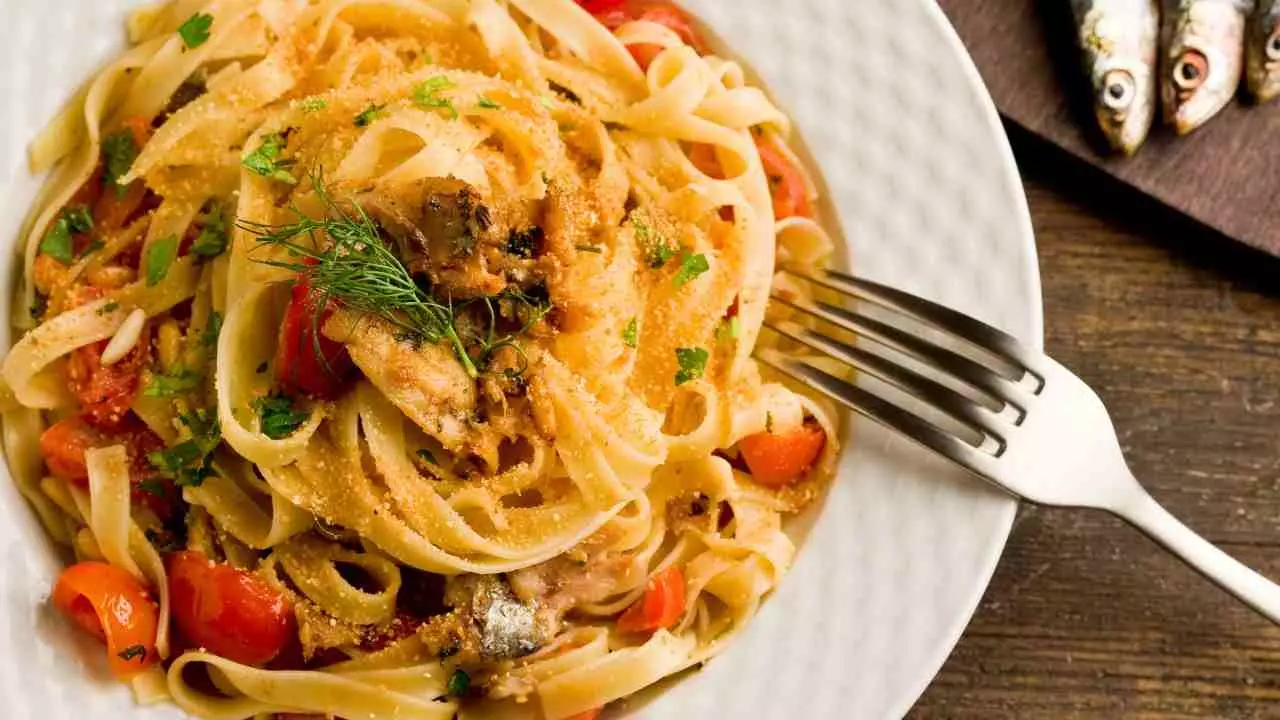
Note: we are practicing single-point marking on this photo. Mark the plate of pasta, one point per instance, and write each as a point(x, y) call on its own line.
point(394, 358)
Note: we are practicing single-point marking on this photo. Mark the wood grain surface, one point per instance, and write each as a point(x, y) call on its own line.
point(1179, 332)
point(1225, 175)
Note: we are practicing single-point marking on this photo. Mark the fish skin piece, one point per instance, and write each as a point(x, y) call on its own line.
point(1262, 51)
point(1119, 50)
point(1203, 60)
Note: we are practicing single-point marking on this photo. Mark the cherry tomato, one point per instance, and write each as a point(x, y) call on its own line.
point(778, 459)
point(661, 607)
point(613, 14)
point(110, 604)
point(106, 392)
point(786, 183)
point(306, 360)
point(229, 612)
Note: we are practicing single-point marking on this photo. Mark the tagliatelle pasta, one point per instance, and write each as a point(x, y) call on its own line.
point(442, 399)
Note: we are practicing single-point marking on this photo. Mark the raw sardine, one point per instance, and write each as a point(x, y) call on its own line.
point(1118, 42)
point(1262, 51)
point(1204, 59)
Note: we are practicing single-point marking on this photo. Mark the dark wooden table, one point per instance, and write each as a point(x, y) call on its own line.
point(1178, 330)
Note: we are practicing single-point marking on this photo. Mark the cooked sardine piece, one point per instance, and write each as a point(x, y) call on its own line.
point(1262, 51)
point(505, 627)
point(1203, 60)
point(1118, 43)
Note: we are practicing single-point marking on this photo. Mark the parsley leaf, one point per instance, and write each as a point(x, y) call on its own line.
point(692, 362)
point(265, 161)
point(212, 240)
point(278, 417)
point(488, 104)
point(426, 456)
point(597, 249)
point(195, 31)
point(729, 329)
point(209, 338)
point(159, 256)
point(191, 461)
point(58, 243)
point(313, 104)
point(631, 334)
point(426, 95)
point(691, 266)
point(459, 683)
point(153, 486)
point(168, 385)
point(78, 218)
point(118, 153)
point(654, 244)
point(370, 114)
point(133, 652)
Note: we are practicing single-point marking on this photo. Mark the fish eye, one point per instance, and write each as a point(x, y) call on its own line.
point(1118, 90)
point(1273, 45)
point(1191, 70)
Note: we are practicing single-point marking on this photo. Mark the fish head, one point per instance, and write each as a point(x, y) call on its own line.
point(1262, 54)
point(1204, 63)
point(1124, 106)
point(1119, 43)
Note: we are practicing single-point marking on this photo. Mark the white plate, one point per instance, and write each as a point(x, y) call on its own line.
point(920, 172)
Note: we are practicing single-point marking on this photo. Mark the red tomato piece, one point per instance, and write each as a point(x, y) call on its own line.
point(660, 608)
point(307, 361)
point(63, 446)
point(613, 14)
point(110, 604)
point(779, 459)
point(786, 183)
point(591, 714)
point(106, 392)
point(229, 612)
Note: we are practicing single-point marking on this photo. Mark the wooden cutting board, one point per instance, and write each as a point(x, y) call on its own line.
point(1226, 175)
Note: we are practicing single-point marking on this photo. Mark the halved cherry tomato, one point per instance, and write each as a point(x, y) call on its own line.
point(63, 445)
point(786, 183)
point(229, 612)
point(778, 459)
point(703, 157)
point(613, 14)
point(110, 604)
point(306, 360)
point(661, 607)
point(106, 392)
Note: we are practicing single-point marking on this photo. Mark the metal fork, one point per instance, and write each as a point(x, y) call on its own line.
point(1009, 414)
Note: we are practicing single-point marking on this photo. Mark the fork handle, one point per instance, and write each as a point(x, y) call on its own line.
point(1256, 591)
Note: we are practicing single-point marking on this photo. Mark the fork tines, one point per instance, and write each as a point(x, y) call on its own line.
point(990, 386)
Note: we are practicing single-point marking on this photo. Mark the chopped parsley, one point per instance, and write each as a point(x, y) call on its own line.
point(425, 456)
point(153, 486)
point(655, 245)
point(209, 338)
point(597, 249)
point(191, 461)
point(266, 161)
point(179, 382)
point(118, 153)
point(691, 266)
point(631, 334)
point(426, 95)
point(109, 308)
point(133, 652)
point(370, 114)
point(730, 328)
point(212, 240)
point(488, 104)
point(58, 243)
point(92, 247)
point(159, 256)
point(313, 104)
point(692, 362)
point(195, 31)
point(278, 417)
point(459, 683)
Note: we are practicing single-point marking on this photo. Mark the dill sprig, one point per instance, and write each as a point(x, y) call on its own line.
point(360, 272)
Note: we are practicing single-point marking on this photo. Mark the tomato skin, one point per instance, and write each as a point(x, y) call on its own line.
point(613, 14)
point(229, 612)
point(661, 606)
point(780, 459)
point(786, 183)
point(106, 393)
point(299, 368)
point(110, 604)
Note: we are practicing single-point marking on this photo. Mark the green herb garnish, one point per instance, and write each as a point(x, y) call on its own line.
point(212, 240)
point(426, 456)
point(266, 161)
point(277, 416)
point(655, 245)
point(58, 243)
point(118, 153)
point(488, 104)
point(692, 362)
point(181, 381)
point(313, 104)
point(597, 249)
point(691, 266)
point(209, 338)
point(426, 95)
point(159, 256)
point(109, 308)
point(190, 461)
point(370, 114)
point(631, 334)
point(729, 329)
point(133, 652)
point(459, 683)
point(195, 31)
